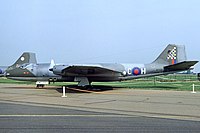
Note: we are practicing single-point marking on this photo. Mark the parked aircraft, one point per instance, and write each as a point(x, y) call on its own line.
point(171, 60)
point(2, 70)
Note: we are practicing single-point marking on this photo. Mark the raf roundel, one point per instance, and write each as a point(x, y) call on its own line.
point(22, 58)
point(136, 71)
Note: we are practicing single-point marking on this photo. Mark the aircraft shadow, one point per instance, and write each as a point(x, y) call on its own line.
point(88, 89)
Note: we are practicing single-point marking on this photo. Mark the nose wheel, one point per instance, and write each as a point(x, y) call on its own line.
point(41, 84)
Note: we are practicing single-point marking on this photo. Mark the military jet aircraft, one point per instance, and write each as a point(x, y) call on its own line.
point(2, 70)
point(171, 60)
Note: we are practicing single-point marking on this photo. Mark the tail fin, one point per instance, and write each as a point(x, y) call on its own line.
point(26, 57)
point(171, 55)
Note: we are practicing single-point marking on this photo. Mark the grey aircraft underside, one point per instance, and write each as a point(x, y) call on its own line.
point(171, 60)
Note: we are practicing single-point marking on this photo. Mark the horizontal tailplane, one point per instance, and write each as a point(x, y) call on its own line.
point(181, 66)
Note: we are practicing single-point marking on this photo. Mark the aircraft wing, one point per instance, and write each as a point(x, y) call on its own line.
point(182, 66)
point(84, 70)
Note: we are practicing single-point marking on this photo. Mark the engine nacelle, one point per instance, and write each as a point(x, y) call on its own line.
point(58, 69)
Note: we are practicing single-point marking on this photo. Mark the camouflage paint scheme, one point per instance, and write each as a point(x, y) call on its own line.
point(171, 60)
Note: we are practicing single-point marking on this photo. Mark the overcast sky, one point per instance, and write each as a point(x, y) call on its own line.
point(88, 31)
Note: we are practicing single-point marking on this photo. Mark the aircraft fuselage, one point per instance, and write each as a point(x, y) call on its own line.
point(42, 72)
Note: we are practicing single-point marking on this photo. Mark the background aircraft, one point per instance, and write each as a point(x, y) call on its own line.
point(2, 70)
point(171, 60)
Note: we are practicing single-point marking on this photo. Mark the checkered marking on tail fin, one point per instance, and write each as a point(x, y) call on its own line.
point(172, 55)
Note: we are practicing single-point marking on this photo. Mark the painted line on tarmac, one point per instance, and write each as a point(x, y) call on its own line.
point(134, 114)
point(63, 115)
point(176, 117)
point(118, 113)
point(103, 116)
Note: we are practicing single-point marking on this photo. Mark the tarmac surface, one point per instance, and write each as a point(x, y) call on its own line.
point(23, 108)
